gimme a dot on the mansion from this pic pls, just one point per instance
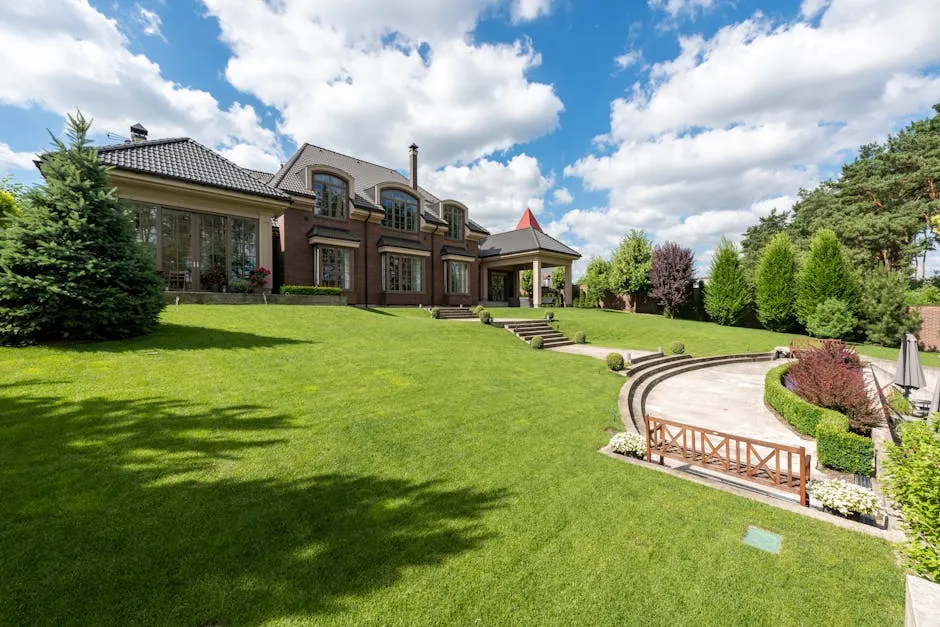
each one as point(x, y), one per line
point(324, 219)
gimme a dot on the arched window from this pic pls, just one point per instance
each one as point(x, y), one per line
point(401, 210)
point(453, 215)
point(330, 195)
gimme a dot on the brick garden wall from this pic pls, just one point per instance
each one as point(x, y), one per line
point(929, 334)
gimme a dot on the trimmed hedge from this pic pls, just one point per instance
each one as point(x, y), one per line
point(843, 450)
point(311, 290)
point(836, 446)
point(802, 416)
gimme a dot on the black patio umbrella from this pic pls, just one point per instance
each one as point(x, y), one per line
point(909, 374)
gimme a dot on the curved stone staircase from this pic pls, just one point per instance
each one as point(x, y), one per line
point(647, 372)
point(528, 329)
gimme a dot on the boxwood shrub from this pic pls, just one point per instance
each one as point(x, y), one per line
point(615, 361)
point(836, 446)
point(580, 338)
point(677, 348)
point(536, 342)
point(435, 312)
point(485, 317)
point(311, 290)
point(841, 449)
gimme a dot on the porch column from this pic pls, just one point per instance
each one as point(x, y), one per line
point(265, 246)
point(568, 302)
point(484, 283)
point(537, 283)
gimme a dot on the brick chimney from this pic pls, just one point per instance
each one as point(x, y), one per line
point(413, 155)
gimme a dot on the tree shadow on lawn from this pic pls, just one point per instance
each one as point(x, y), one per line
point(174, 337)
point(121, 512)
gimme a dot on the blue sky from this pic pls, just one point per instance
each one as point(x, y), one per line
point(687, 118)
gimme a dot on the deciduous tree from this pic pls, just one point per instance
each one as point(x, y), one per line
point(630, 266)
point(671, 276)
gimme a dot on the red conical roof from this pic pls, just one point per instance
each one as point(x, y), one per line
point(528, 221)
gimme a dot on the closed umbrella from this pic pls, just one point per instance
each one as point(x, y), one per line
point(935, 398)
point(910, 374)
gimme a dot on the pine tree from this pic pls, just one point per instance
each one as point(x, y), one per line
point(776, 288)
point(70, 264)
point(885, 314)
point(630, 266)
point(727, 295)
point(826, 274)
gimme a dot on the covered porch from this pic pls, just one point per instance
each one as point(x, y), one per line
point(500, 278)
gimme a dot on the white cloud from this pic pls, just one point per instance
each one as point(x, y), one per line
point(811, 8)
point(496, 193)
point(679, 7)
point(628, 58)
point(528, 10)
point(150, 22)
point(12, 160)
point(385, 76)
point(61, 55)
point(738, 122)
point(562, 196)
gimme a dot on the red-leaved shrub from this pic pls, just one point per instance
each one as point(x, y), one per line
point(830, 375)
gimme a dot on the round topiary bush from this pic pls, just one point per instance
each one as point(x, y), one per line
point(435, 312)
point(580, 338)
point(677, 348)
point(485, 317)
point(477, 309)
point(536, 342)
point(550, 316)
point(615, 361)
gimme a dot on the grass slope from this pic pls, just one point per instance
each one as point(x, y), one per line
point(648, 332)
point(294, 465)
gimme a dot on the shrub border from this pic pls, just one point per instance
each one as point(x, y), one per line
point(311, 290)
point(836, 446)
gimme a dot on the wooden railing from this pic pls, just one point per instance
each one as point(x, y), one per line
point(774, 465)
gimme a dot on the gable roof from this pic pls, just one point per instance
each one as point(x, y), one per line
point(184, 159)
point(524, 241)
point(528, 221)
point(366, 175)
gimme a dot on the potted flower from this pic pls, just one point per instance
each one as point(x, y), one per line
point(629, 444)
point(259, 278)
point(845, 499)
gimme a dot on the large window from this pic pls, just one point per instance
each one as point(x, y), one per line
point(455, 275)
point(197, 251)
point(401, 210)
point(330, 196)
point(402, 273)
point(453, 215)
point(244, 246)
point(334, 267)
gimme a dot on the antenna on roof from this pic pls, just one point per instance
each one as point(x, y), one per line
point(116, 136)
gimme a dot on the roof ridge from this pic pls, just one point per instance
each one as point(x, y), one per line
point(280, 174)
point(342, 154)
point(149, 142)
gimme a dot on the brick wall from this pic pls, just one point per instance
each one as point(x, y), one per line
point(929, 334)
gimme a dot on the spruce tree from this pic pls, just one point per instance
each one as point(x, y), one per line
point(727, 295)
point(885, 314)
point(826, 274)
point(70, 264)
point(776, 289)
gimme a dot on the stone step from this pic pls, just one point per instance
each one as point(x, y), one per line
point(528, 323)
point(557, 343)
point(547, 338)
point(658, 360)
point(535, 331)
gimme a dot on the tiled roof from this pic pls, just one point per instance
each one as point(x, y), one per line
point(453, 250)
point(399, 242)
point(476, 228)
point(184, 159)
point(325, 231)
point(523, 241)
point(366, 175)
point(264, 177)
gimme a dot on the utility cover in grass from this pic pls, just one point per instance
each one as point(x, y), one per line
point(763, 540)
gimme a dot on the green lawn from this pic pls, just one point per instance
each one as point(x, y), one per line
point(289, 465)
point(648, 332)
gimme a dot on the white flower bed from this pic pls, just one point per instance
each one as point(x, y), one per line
point(628, 444)
point(845, 498)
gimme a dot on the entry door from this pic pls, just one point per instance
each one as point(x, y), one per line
point(497, 286)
